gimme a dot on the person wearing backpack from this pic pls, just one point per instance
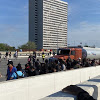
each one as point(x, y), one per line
point(18, 74)
point(11, 69)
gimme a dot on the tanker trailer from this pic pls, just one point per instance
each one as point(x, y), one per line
point(92, 53)
point(76, 53)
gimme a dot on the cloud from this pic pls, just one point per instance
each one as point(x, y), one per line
point(25, 7)
point(85, 32)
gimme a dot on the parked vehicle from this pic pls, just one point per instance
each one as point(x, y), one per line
point(77, 53)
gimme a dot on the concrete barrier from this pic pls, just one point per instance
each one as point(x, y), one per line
point(92, 86)
point(35, 88)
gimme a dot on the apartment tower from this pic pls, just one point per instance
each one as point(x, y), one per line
point(48, 23)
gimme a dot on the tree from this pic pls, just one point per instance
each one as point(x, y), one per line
point(6, 47)
point(28, 46)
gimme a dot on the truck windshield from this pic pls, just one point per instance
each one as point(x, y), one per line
point(63, 52)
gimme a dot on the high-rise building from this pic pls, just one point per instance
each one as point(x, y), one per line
point(48, 23)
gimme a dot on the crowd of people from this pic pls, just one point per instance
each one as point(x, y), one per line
point(34, 67)
point(8, 55)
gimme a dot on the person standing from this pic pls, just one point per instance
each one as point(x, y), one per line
point(0, 75)
point(50, 52)
point(29, 60)
point(43, 57)
point(34, 60)
point(16, 54)
point(0, 57)
point(34, 54)
point(7, 55)
point(11, 69)
point(53, 53)
point(10, 54)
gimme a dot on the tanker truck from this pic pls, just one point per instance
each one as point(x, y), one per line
point(76, 53)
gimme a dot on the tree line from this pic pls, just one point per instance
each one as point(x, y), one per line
point(27, 46)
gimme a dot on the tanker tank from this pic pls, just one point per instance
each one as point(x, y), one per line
point(92, 53)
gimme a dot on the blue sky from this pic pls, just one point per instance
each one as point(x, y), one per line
point(83, 22)
point(14, 22)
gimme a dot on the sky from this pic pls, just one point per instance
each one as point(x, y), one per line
point(83, 22)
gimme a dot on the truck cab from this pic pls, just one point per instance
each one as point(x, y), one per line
point(64, 53)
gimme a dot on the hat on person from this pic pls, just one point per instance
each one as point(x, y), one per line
point(10, 62)
point(19, 68)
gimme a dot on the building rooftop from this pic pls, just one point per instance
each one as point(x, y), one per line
point(62, 1)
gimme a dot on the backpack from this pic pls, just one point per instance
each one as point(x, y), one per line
point(19, 76)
